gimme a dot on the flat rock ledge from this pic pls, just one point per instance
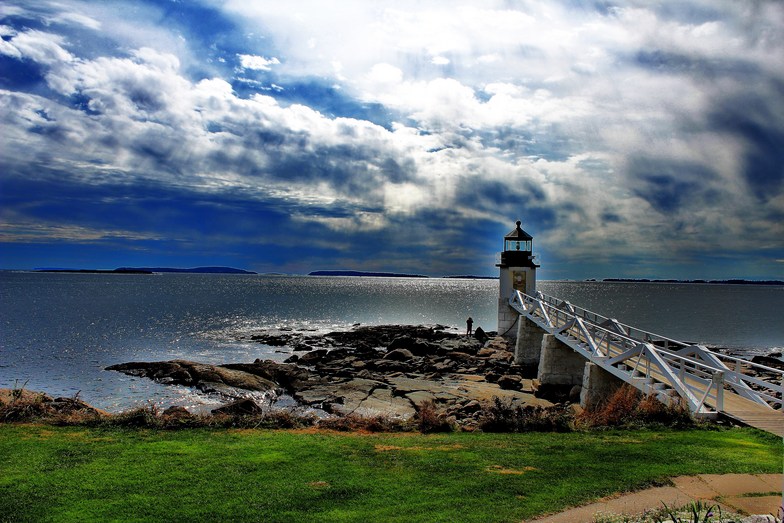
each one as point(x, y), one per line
point(387, 370)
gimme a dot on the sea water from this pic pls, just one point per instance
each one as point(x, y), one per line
point(58, 331)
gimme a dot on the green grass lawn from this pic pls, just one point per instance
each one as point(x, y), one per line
point(102, 474)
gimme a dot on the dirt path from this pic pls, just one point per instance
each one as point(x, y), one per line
point(741, 493)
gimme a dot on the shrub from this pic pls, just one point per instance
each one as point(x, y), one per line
point(504, 416)
point(429, 418)
point(140, 417)
point(23, 409)
point(353, 422)
point(629, 407)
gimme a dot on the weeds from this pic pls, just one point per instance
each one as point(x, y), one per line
point(430, 418)
point(695, 512)
point(17, 391)
point(629, 407)
point(504, 416)
point(353, 422)
point(626, 408)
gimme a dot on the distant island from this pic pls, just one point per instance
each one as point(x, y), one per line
point(197, 270)
point(121, 270)
point(153, 270)
point(363, 273)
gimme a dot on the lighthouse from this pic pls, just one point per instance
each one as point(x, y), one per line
point(517, 272)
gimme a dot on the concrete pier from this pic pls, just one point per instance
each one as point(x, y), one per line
point(598, 385)
point(528, 347)
point(559, 364)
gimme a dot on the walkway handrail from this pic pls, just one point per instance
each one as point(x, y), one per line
point(671, 344)
point(634, 332)
point(697, 374)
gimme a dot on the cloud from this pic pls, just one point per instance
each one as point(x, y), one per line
point(27, 232)
point(257, 63)
point(38, 46)
point(622, 132)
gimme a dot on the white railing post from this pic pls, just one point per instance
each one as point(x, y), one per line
point(718, 379)
point(781, 391)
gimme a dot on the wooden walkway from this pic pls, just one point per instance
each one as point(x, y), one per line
point(712, 384)
point(753, 415)
point(736, 407)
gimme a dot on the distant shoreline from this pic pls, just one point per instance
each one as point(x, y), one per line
point(711, 282)
point(97, 271)
point(394, 275)
point(152, 270)
point(372, 274)
point(363, 273)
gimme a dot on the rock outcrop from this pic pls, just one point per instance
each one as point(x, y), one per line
point(367, 371)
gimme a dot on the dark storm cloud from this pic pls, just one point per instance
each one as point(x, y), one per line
point(751, 119)
point(670, 186)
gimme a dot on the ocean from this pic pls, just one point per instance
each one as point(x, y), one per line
point(58, 331)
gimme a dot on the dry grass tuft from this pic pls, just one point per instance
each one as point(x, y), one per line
point(628, 407)
point(429, 418)
point(356, 423)
point(504, 416)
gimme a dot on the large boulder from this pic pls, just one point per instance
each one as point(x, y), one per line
point(416, 346)
point(510, 382)
point(312, 357)
point(399, 355)
point(480, 335)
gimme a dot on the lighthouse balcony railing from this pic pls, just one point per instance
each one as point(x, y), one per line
point(499, 257)
point(692, 370)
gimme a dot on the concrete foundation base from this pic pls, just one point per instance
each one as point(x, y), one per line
point(559, 367)
point(528, 347)
point(559, 364)
point(598, 385)
point(507, 319)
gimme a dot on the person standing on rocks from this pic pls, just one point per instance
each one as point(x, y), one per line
point(469, 326)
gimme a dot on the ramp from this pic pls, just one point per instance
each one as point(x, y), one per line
point(710, 383)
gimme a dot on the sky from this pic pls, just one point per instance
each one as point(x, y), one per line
point(632, 139)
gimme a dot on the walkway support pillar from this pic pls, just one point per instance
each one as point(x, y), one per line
point(559, 364)
point(598, 385)
point(528, 347)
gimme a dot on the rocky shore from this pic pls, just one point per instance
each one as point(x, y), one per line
point(388, 370)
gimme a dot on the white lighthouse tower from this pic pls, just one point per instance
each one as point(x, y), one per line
point(517, 272)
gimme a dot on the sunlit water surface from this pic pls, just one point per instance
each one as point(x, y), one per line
point(59, 331)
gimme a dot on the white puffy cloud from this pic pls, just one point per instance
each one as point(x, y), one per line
point(258, 63)
point(38, 46)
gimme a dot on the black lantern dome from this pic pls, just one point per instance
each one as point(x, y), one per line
point(518, 248)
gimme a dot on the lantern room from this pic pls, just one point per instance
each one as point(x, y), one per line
point(518, 248)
